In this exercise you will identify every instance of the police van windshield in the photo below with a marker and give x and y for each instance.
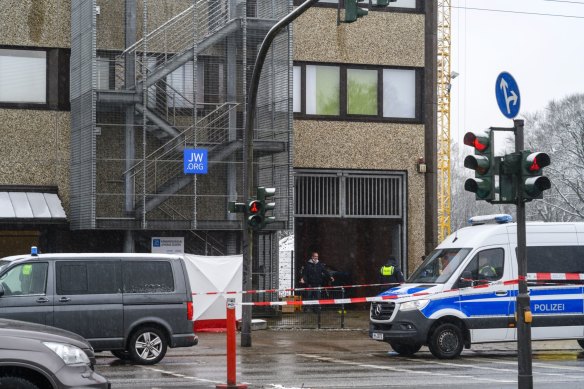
(439, 266)
(3, 264)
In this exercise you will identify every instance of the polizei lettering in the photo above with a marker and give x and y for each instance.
(549, 307)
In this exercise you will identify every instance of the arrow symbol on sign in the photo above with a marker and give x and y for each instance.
(508, 99)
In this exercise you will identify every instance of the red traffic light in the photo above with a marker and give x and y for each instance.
(537, 161)
(481, 143)
(254, 207)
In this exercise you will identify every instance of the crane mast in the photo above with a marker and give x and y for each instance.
(443, 147)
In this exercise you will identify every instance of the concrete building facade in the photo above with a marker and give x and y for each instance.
(100, 98)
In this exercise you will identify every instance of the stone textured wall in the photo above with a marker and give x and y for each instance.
(380, 38)
(35, 149)
(42, 23)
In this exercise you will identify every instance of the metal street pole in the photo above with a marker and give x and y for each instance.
(523, 312)
(247, 237)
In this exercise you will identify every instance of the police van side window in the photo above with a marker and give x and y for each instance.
(88, 277)
(487, 265)
(25, 279)
(148, 277)
(555, 259)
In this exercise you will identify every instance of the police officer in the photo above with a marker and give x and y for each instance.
(390, 272)
(314, 274)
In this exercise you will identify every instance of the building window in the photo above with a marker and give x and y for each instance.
(103, 73)
(361, 92)
(322, 90)
(297, 89)
(408, 4)
(23, 76)
(357, 92)
(399, 93)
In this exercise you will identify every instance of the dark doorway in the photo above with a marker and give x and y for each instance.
(355, 249)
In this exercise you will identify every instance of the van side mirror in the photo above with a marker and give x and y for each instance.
(465, 280)
(1, 290)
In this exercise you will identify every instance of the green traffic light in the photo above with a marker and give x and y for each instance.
(482, 188)
(353, 11)
(384, 3)
(483, 163)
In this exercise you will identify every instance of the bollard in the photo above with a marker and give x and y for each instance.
(231, 350)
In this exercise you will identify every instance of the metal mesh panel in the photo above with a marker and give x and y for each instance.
(83, 114)
(349, 195)
(182, 84)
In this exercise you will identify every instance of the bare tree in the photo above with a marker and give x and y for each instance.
(559, 131)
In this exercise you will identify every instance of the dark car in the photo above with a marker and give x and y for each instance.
(35, 356)
(134, 305)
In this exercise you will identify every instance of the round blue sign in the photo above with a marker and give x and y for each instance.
(507, 93)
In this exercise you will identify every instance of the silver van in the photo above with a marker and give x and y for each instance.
(134, 305)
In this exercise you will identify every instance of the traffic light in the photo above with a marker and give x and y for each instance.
(483, 163)
(255, 217)
(532, 182)
(384, 3)
(353, 11)
(263, 195)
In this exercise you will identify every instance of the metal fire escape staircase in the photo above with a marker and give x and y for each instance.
(158, 175)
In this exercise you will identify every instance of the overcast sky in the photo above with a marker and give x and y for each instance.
(544, 53)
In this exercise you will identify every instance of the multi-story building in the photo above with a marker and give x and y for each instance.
(364, 120)
(99, 99)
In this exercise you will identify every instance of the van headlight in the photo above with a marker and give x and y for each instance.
(70, 354)
(413, 305)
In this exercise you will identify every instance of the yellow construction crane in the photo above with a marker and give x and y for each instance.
(443, 149)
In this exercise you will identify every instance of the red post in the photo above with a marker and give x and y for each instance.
(231, 349)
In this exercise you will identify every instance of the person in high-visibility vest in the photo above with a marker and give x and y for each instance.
(390, 272)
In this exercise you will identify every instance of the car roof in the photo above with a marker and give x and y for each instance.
(88, 256)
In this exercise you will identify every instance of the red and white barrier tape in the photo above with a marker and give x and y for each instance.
(293, 289)
(555, 276)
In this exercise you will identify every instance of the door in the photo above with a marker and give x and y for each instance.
(88, 300)
(25, 293)
(487, 304)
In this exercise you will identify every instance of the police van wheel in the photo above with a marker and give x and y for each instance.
(446, 341)
(148, 346)
(404, 348)
(581, 342)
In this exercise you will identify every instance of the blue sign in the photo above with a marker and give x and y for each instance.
(156, 242)
(508, 97)
(195, 161)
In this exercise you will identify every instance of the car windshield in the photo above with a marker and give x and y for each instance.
(439, 266)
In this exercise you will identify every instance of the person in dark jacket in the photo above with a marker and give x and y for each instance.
(314, 274)
(390, 272)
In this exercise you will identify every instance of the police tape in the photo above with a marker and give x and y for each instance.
(293, 289)
(352, 300)
(530, 277)
(356, 300)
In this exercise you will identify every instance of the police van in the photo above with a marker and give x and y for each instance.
(465, 290)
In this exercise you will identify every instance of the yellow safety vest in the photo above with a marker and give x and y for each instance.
(387, 270)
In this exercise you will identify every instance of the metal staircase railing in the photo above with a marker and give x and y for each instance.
(176, 37)
(163, 165)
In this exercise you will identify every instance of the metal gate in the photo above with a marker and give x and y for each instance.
(347, 194)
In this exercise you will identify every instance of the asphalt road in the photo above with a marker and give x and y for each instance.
(345, 359)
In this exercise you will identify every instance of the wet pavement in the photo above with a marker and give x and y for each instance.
(294, 359)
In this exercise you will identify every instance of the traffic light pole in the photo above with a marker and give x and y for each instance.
(525, 376)
(247, 237)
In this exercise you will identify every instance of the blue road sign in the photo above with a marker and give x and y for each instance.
(195, 161)
(507, 93)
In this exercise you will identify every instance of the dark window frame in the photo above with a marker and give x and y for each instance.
(80, 262)
(419, 8)
(57, 80)
(344, 116)
(126, 290)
